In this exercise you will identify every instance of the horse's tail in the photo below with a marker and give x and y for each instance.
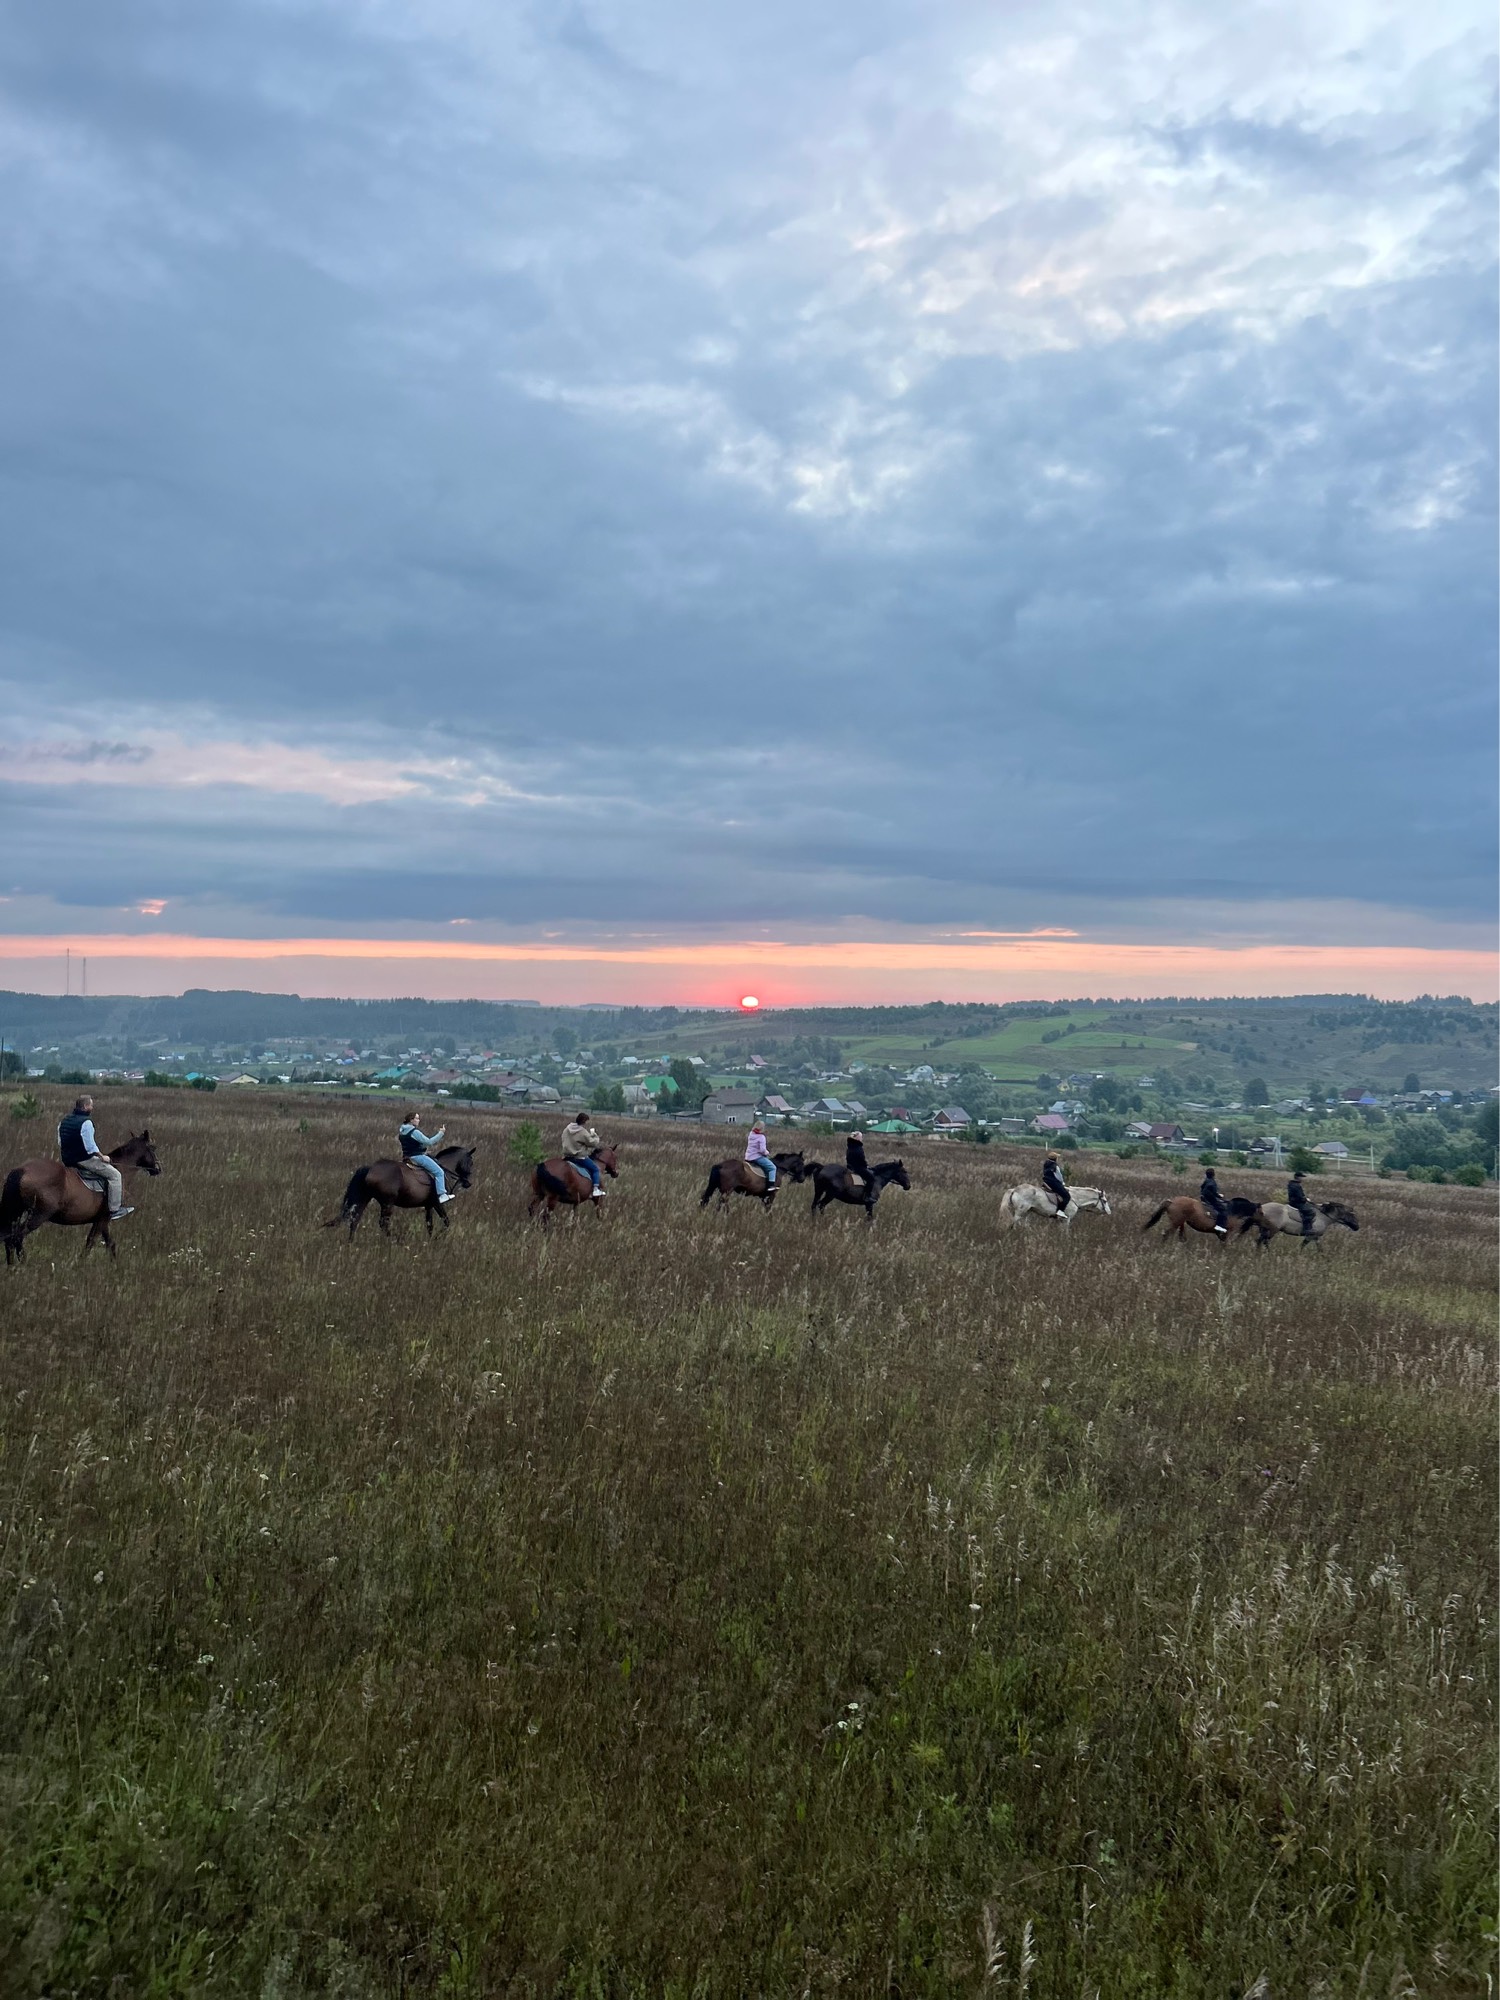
(13, 1203)
(713, 1187)
(1155, 1218)
(354, 1195)
(547, 1182)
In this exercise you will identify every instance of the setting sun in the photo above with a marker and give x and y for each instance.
(748, 1001)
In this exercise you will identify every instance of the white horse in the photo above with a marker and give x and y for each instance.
(1019, 1202)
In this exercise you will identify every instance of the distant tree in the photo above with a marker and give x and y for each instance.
(692, 1086)
(1256, 1091)
(1471, 1175)
(526, 1147)
(205, 1083)
(1107, 1093)
(1413, 1081)
(11, 1064)
(607, 1097)
(565, 1041)
(1303, 1160)
(1487, 1125)
(24, 1107)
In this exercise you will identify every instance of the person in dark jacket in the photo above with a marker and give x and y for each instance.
(1296, 1194)
(1213, 1201)
(81, 1151)
(854, 1157)
(1055, 1185)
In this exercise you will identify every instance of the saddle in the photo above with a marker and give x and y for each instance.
(92, 1179)
(753, 1167)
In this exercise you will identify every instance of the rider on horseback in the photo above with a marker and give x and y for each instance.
(579, 1140)
(758, 1154)
(82, 1152)
(855, 1162)
(1296, 1194)
(1213, 1201)
(416, 1152)
(1056, 1186)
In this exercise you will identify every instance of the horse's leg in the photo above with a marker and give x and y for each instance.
(385, 1218)
(355, 1213)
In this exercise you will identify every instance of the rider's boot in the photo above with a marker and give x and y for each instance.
(116, 1213)
(597, 1195)
(445, 1197)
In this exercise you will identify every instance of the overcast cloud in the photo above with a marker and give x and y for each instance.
(595, 465)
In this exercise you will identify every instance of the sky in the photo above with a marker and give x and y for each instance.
(654, 502)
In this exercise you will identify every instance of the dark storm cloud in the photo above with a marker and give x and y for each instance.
(647, 469)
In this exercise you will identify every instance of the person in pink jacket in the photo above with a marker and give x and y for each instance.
(758, 1153)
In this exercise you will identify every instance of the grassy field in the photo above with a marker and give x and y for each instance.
(685, 1605)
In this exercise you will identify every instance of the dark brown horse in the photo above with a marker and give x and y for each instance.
(1185, 1212)
(559, 1184)
(41, 1191)
(727, 1177)
(395, 1185)
(859, 1190)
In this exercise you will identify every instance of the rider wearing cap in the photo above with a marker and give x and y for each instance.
(1296, 1194)
(82, 1152)
(1056, 1186)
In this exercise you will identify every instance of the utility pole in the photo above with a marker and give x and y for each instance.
(84, 983)
(68, 972)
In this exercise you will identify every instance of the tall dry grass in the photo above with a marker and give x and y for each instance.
(685, 1605)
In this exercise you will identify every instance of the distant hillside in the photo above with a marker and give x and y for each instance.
(1202, 1046)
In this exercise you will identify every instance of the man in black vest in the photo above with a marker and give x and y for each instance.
(1213, 1201)
(1296, 1194)
(82, 1151)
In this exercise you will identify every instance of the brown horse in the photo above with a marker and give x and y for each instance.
(559, 1184)
(1185, 1212)
(395, 1185)
(41, 1191)
(832, 1183)
(727, 1177)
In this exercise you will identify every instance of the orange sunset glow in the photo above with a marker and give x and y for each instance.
(695, 972)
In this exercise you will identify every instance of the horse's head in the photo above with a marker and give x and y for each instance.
(1240, 1205)
(897, 1172)
(462, 1168)
(139, 1152)
(608, 1158)
(791, 1164)
(1104, 1207)
(1336, 1212)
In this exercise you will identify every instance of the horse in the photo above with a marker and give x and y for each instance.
(727, 1177)
(558, 1183)
(1279, 1218)
(1019, 1202)
(1185, 1212)
(395, 1184)
(41, 1191)
(832, 1183)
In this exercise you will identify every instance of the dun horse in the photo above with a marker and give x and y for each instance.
(395, 1185)
(727, 1177)
(1279, 1218)
(559, 1184)
(41, 1191)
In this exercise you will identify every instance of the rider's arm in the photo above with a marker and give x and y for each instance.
(87, 1140)
(437, 1135)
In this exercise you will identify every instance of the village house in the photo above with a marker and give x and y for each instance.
(1050, 1124)
(729, 1107)
(1332, 1149)
(951, 1120)
(1166, 1135)
(775, 1106)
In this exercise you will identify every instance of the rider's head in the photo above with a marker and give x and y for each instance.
(1050, 1161)
(859, 1136)
(758, 1127)
(83, 1103)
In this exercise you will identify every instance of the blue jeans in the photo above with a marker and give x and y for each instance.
(587, 1166)
(767, 1166)
(429, 1166)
